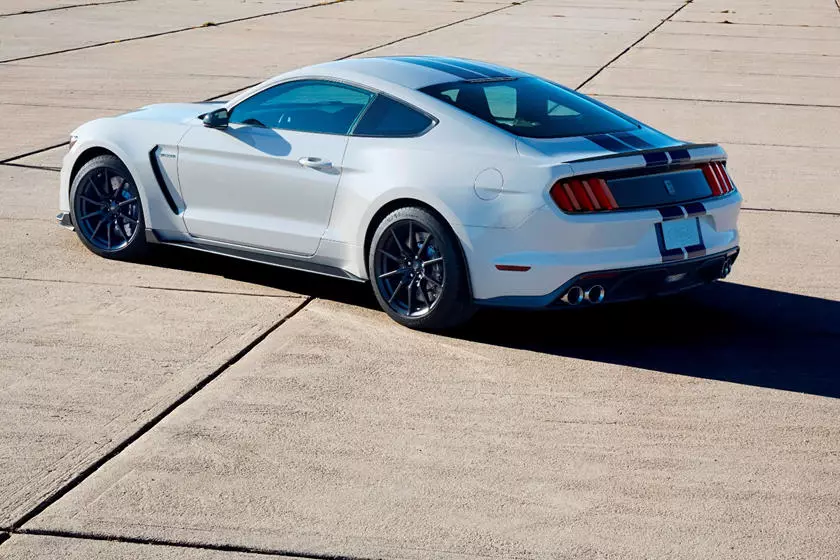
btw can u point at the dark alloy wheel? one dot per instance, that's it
(417, 271)
(106, 209)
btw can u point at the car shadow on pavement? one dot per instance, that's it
(725, 331)
(289, 280)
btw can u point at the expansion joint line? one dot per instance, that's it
(636, 42)
(145, 428)
(364, 51)
(394, 42)
(186, 545)
(67, 7)
(180, 30)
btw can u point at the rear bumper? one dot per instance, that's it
(628, 284)
(551, 248)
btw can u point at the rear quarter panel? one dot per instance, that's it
(439, 169)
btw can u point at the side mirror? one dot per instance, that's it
(216, 119)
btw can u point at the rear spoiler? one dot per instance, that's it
(674, 156)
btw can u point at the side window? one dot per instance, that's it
(451, 94)
(555, 109)
(502, 101)
(387, 117)
(307, 106)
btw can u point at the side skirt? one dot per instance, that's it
(252, 256)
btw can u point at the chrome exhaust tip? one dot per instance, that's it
(574, 296)
(596, 294)
(726, 269)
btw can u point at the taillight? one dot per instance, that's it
(583, 195)
(718, 178)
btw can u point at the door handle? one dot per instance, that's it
(314, 162)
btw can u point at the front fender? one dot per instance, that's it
(131, 141)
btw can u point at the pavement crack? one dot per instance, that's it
(147, 287)
(389, 43)
(788, 211)
(173, 31)
(67, 7)
(731, 52)
(749, 24)
(181, 544)
(29, 166)
(145, 428)
(639, 40)
(238, 90)
(4, 537)
(34, 152)
(438, 28)
(703, 100)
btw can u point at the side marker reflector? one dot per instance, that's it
(513, 268)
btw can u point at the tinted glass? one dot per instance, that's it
(308, 106)
(387, 117)
(530, 107)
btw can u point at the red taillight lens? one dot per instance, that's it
(603, 193)
(580, 195)
(589, 195)
(718, 178)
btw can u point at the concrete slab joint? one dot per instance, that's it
(206, 409)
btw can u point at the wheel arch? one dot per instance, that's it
(88, 154)
(404, 202)
(139, 169)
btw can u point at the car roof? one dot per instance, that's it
(412, 72)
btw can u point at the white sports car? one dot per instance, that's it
(448, 183)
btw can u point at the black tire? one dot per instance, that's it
(425, 287)
(106, 209)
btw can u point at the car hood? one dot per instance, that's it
(173, 112)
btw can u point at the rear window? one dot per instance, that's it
(530, 107)
(389, 118)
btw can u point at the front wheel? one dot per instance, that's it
(106, 209)
(417, 271)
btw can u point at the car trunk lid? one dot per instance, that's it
(643, 179)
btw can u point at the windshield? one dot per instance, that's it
(530, 107)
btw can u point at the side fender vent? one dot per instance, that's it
(153, 160)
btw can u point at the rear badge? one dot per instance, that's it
(669, 186)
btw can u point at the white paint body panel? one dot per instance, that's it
(244, 186)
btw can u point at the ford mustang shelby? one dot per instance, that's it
(447, 183)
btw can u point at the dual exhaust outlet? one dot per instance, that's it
(576, 295)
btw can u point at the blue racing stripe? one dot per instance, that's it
(671, 213)
(698, 250)
(477, 67)
(656, 159)
(695, 209)
(695, 251)
(609, 143)
(679, 156)
(633, 140)
(456, 71)
(668, 255)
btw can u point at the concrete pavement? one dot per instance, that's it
(31, 547)
(201, 408)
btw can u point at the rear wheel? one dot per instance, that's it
(417, 271)
(106, 209)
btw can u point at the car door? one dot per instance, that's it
(269, 179)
